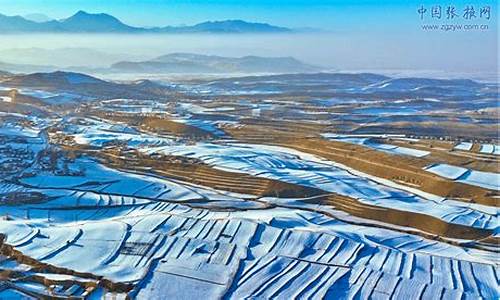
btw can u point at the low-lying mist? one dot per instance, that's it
(81, 48)
(329, 50)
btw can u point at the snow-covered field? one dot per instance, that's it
(92, 207)
(172, 250)
(304, 169)
(98, 133)
(465, 146)
(490, 149)
(365, 140)
(483, 179)
(177, 240)
(5, 99)
(484, 148)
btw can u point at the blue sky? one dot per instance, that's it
(326, 14)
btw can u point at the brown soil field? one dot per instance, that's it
(205, 175)
(442, 129)
(442, 152)
(397, 168)
(476, 147)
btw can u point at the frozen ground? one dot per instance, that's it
(367, 142)
(169, 249)
(466, 146)
(490, 149)
(303, 169)
(99, 133)
(93, 206)
(483, 179)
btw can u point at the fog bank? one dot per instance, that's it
(333, 50)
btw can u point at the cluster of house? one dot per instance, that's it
(13, 160)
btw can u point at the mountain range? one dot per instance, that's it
(174, 63)
(83, 22)
(196, 63)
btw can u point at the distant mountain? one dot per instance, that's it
(105, 23)
(13, 24)
(85, 22)
(195, 63)
(37, 17)
(228, 26)
(79, 22)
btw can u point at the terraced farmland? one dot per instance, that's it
(234, 194)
